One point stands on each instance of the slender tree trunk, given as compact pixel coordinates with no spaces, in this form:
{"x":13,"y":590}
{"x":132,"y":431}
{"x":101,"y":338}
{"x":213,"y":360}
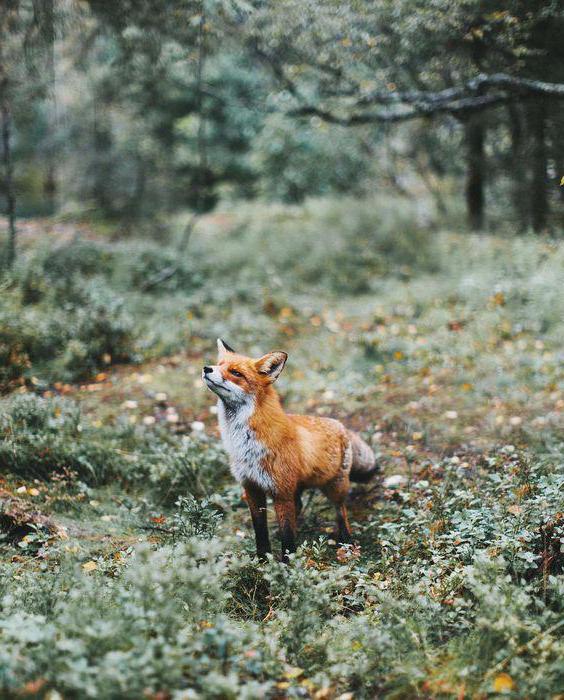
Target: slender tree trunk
{"x":518,"y":170}
{"x":50,"y":181}
{"x":539,"y":206}
{"x":557,"y":149}
{"x":203,"y":175}
{"x":9,"y":182}
{"x":475,"y":137}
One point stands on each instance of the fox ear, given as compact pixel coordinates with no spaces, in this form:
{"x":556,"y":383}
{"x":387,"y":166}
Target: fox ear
{"x":222,"y":347}
{"x":272,"y":364}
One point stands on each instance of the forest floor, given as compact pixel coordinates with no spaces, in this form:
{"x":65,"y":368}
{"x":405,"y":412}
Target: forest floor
{"x":452,"y":376}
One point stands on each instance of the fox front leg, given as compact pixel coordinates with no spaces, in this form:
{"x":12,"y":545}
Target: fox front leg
{"x":286,"y":515}
{"x":256,"y":500}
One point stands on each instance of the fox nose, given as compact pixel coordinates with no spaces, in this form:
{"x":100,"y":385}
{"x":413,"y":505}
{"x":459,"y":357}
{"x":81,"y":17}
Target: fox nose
{"x":207,"y":370}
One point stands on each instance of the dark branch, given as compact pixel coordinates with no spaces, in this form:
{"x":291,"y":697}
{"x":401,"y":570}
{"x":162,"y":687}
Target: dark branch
{"x":460,"y":107}
{"x":521,"y":86}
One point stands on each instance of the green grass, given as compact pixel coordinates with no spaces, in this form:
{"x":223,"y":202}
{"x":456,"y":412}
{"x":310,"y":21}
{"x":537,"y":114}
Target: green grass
{"x":127,"y":565}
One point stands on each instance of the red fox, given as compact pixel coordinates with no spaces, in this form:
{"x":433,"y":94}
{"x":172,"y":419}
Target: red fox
{"x":278,"y":454}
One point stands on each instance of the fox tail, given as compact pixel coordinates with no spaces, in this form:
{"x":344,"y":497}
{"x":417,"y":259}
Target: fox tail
{"x":364,"y":466}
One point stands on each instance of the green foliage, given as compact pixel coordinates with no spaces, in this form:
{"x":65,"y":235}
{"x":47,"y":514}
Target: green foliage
{"x":192,"y":466}
{"x":309,"y":161}
{"x":14,"y":359}
{"x":41,"y":437}
{"x":195,"y":518}
{"x":153,"y":268}
{"x":339,"y":245}
{"x":157,"y":626}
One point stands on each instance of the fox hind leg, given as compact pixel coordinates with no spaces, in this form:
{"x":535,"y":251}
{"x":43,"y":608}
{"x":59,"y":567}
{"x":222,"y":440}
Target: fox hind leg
{"x":344,"y":534}
{"x":337,"y":491}
{"x":286,"y":514}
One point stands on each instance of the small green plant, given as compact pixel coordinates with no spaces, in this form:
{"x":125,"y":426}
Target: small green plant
{"x":195,"y":518}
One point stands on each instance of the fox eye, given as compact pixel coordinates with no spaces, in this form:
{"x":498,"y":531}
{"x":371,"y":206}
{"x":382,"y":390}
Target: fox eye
{"x":235,"y":373}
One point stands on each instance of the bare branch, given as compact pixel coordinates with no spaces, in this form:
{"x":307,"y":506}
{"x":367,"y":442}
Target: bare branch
{"x":458,"y":107}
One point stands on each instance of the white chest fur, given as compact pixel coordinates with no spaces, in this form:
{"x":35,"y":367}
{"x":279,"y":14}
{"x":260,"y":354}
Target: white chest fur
{"x":246,"y":453}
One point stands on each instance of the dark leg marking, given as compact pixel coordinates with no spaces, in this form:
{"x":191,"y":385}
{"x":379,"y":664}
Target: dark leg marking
{"x":256,"y":499}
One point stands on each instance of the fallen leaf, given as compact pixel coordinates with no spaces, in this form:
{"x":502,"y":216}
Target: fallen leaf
{"x":89,"y":566}
{"x":33,"y":687}
{"x":503,"y":682}
{"x":294,"y":672}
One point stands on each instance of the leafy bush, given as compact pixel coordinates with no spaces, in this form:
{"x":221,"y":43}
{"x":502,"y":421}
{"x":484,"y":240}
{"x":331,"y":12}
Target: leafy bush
{"x":59,"y":272}
{"x":14,"y":359}
{"x":75,"y":334}
{"x":40,"y":437}
{"x":309,"y":162}
{"x":195,"y":518}
{"x":147,"y":267}
{"x":172,"y":470}
{"x":101,"y":332}
{"x":157,"y":626}
{"x":346,"y":246}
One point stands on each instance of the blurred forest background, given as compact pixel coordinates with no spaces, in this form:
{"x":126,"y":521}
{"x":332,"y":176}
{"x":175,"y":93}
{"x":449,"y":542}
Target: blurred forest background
{"x":134,"y":110}
{"x":374,"y":187}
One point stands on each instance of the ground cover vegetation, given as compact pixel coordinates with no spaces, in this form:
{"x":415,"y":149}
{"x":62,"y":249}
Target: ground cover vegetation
{"x":314,"y":177}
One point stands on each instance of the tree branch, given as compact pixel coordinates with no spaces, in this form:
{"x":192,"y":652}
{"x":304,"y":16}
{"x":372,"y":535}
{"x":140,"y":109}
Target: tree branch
{"x":456,"y":101}
{"x":459,"y":107}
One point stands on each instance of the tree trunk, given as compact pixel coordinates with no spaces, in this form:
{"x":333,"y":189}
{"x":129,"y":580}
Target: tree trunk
{"x":520,"y":187}
{"x":475,"y":137}
{"x":539,"y":195}
{"x":50,"y":182}
{"x":9,"y":183}
{"x":557,"y":149}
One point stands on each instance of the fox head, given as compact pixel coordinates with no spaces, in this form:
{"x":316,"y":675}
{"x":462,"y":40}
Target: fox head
{"x":237,"y":378}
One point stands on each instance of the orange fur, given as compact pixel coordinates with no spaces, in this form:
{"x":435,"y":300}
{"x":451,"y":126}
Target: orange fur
{"x":300,"y":452}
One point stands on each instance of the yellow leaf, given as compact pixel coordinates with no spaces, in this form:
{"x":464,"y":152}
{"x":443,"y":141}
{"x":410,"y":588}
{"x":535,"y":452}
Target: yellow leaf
{"x":503,"y":682}
{"x":562,"y":181}
{"x":89,"y":566}
{"x":294,"y":672}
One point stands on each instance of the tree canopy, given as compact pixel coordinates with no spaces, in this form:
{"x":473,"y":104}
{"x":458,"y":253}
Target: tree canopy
{"x":137,"y":108}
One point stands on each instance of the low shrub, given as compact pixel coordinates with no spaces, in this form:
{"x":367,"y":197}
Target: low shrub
{"x":174,"y":469}
{"x":41,"y":437}
{"x":100,"y":332}
{"x":70,"y":339}
{"x":147,"y":267}
{"x":14,"y":360}
{"x":345,"y":246}
{"x":154,"y":628}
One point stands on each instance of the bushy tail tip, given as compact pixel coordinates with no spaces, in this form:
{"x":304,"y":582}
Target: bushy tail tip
{"x":364,"y":466}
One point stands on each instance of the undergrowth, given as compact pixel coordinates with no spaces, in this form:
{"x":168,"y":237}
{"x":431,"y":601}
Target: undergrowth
{"x":126,"y":550}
